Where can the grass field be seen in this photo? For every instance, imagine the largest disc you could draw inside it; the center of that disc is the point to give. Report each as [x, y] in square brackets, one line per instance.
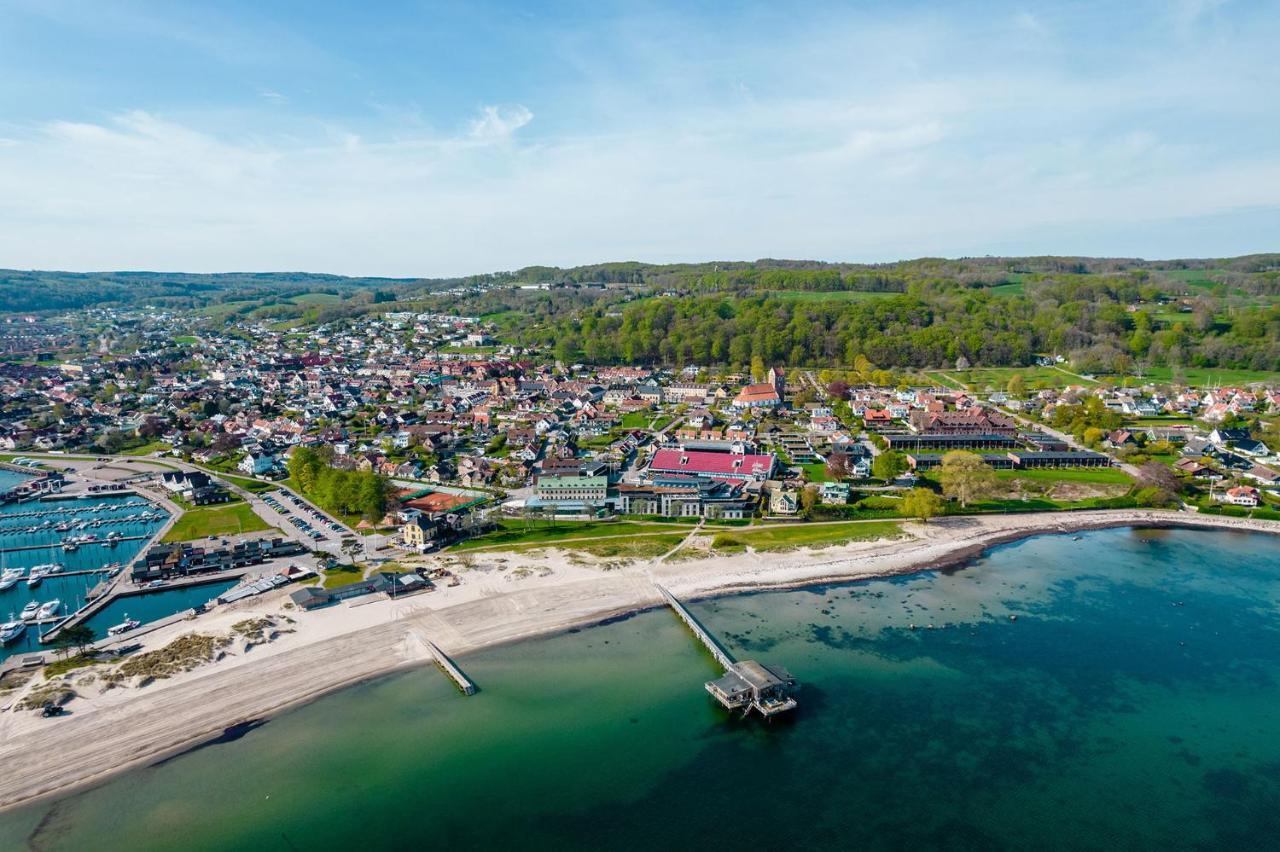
[148, 449]
[315, 298]
[343, 575]
[514, 534]
[187, 339]
[637, 420]
[997, 378]
[1207, 376]
[216, 520]
[815, 472]
[1094, 475]
[1016, 288]
[804, 535]
[255, 486]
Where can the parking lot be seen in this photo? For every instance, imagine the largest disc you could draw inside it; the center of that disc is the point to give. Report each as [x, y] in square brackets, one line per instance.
[284, 509]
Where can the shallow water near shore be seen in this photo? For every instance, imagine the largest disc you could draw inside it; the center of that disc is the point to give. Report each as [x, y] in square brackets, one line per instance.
[1133, 702]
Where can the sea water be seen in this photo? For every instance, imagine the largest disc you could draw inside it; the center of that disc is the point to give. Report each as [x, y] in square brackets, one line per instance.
[1120, 690]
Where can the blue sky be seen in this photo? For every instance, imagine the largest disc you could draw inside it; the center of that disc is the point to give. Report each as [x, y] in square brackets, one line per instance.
[422, 138]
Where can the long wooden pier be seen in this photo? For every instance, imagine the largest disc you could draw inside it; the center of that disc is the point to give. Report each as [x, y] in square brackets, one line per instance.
[746, 685]
[699, 632]
[451, 669]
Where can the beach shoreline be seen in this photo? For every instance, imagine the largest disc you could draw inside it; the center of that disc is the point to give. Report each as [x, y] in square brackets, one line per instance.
[341, 647]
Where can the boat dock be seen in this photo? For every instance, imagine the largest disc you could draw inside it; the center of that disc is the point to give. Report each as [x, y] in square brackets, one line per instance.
[746, 685]
[120, 590]
[451, 669]
[58, 545]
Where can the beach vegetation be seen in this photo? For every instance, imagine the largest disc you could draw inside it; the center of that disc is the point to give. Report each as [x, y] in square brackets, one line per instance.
[793, 536]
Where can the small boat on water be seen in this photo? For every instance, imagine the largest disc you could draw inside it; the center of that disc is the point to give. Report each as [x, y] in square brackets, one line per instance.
[49, 609]
[69, 545]
[10, 578]
[30, 610]
[124, 626]
[37, 575]
[11, 630]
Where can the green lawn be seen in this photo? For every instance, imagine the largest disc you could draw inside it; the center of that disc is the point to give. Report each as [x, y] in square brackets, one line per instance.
[1017, 288]
[512, 533]
[637, 420]
[1095, 475]
[343, 575]
[255, 486]
[815, 472]
[1207, 376]
[997, 378]
[216, 520]
[792, 536]
[315, 298]
[147, 449]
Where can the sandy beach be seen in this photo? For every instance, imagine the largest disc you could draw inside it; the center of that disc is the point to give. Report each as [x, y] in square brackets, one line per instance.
[505, 597]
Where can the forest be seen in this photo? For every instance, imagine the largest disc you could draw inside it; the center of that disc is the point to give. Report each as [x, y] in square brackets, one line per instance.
[1104, 315]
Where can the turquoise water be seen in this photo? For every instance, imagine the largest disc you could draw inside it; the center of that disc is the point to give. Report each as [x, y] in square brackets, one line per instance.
[1133, 703]
[156, 605]
[10, 478]
[29, 536]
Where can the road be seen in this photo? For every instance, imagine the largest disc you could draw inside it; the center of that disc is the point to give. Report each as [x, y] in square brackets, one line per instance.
[1069, 440]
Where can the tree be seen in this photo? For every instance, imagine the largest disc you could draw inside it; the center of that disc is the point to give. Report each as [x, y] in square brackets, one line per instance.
[838, 389]
[77, 636]
[808, 499]
[888, 465]
[1017, 387]
[966, 477]
[838, 466]
[922, 504]
[1153, 474]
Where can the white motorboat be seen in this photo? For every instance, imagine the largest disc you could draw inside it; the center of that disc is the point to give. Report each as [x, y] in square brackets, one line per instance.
[30, 610]
[49, 609]
[10, 578]
[11, 630]
[37, 575]
[124, 626]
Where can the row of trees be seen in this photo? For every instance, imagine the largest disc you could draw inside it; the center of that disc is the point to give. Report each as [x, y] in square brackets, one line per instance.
[344, 492]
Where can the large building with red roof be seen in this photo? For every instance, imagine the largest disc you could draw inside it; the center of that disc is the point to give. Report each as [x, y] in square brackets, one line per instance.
[740, 466]
[763, 395]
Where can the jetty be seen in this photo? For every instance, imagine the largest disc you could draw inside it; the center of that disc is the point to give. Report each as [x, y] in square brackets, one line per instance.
[450, 668]
[747, 685]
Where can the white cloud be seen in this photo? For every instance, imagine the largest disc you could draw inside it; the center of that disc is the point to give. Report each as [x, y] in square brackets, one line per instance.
[496, 123]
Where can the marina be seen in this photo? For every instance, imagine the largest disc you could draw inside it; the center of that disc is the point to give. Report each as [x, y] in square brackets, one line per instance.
[69, 550]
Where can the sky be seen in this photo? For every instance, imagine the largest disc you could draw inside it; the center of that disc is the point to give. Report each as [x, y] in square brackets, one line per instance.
[437, 139]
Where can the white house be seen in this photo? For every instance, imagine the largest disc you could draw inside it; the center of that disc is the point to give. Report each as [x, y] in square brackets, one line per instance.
[256, 464]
